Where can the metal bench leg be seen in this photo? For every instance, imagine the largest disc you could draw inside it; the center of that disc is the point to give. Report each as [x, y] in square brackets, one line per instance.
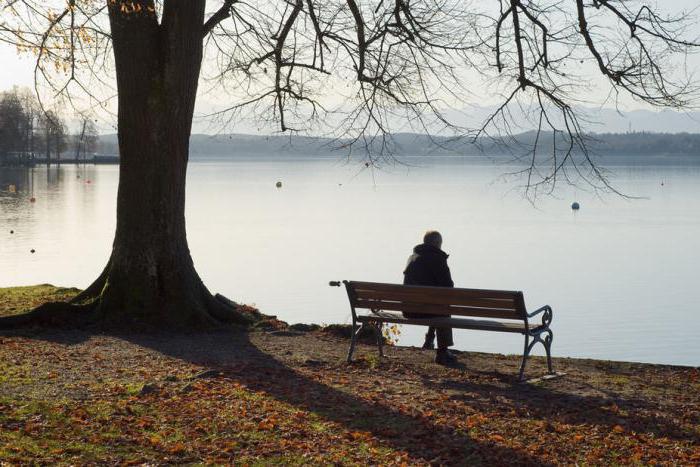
[380, 338]
[353, 339]
[546, 342]
[548, 348]
[526, 351]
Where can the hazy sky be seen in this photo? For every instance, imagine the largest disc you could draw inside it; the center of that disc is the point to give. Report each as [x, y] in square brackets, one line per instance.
[18, 70]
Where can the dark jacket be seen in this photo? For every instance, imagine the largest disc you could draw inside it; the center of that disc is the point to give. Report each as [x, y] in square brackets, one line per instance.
[427, 266]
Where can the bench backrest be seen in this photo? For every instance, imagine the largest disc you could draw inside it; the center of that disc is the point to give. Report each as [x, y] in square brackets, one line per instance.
[500, 304]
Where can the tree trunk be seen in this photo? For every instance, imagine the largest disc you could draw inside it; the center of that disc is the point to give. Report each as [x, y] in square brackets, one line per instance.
[150, 279]
[57, 147]
[79, 143]
[48, 147]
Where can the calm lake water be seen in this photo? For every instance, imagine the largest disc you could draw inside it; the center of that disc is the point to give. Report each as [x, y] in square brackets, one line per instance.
[621, 275]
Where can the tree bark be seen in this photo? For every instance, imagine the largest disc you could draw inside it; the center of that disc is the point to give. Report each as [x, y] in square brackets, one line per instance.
[150, 279]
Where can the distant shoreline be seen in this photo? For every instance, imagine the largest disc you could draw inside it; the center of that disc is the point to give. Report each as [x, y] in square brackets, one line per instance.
[503, 160]
[30, 161]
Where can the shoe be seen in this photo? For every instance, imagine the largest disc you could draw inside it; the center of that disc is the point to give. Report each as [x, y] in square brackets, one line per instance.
[428, 345]
[445, 358]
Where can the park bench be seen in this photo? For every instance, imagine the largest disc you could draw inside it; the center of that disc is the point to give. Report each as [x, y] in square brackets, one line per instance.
[483, 310]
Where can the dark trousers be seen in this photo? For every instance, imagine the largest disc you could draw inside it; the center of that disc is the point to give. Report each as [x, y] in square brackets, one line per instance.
[444, 335]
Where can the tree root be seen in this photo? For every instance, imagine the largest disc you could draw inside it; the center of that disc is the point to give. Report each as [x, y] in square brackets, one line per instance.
[53, 315]
[226, 312]
[94, 290]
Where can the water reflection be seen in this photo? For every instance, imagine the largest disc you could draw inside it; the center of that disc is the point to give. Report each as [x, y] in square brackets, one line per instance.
[15, 187]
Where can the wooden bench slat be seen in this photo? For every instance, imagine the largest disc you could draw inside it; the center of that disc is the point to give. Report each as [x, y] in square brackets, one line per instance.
[438, 309]
[457, 323]
[442, 291]
[422, 296]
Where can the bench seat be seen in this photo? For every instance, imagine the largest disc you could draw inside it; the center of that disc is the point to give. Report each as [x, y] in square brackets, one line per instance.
[457, 323]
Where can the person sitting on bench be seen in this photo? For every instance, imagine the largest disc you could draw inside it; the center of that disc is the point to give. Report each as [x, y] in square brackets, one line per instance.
[428, 266]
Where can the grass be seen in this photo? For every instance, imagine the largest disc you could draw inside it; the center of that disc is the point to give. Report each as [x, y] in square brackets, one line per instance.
[17, 300]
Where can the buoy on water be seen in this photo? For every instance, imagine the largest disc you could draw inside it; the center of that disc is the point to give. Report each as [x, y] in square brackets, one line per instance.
[32, 250]
[278, 184]
[575, 206]
[12, 231]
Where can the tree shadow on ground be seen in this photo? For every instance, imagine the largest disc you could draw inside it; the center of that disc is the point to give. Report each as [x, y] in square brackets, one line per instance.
[550, 405]
[240, 360]
[58, 336]
[262, 371]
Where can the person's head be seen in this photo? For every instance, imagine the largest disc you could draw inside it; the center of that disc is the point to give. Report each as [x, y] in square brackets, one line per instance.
[433, 238]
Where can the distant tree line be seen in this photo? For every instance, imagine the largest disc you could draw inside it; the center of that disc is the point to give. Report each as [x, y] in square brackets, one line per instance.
[27, 131]
[608, 144]
[644, 143]
[520, 145]
[410, 144]
[613, 144]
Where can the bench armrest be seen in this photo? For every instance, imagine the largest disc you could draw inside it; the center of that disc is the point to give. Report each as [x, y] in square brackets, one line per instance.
[547, 314]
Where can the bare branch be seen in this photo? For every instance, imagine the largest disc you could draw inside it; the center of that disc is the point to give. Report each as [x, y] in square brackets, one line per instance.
[220, 15]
